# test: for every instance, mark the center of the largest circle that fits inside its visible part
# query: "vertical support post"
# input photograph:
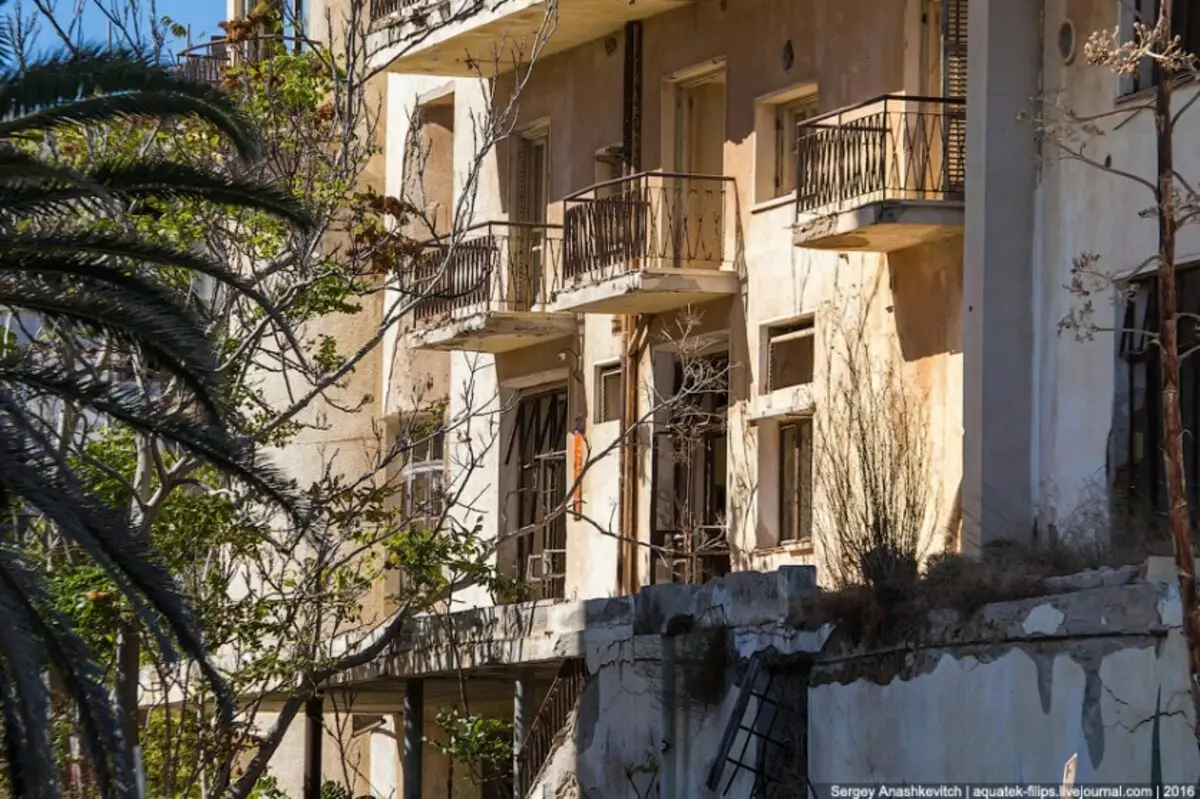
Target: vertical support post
(314, 734)
(666, 775)
(522, 720)
(1000, 353)
(414, 717)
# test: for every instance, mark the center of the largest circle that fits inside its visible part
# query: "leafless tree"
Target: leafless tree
(1145, 48)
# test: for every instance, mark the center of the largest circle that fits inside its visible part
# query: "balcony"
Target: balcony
(460, 38)
(207, 62)
(486, 291)
(881, 176)
(647, 243)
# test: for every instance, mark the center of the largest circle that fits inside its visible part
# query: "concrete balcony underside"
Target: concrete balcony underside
(885, 226)
(645, 292)
(465, 47)
(492, 331)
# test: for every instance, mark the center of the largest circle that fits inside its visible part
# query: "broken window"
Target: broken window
(421, 491)
(690, 536)
(795, 481)
(1137, 431)
(537, 450)
(791, 354)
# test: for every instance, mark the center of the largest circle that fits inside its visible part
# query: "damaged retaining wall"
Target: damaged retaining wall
(621, 743)
(1012, 692)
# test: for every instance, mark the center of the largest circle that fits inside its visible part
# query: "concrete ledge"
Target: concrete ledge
(648, 291)
(492, 331)
(548, 631)
(885, 226)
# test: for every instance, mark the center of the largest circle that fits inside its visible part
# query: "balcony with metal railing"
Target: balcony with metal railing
(485, 289)
(647, 243)
(882, 175)
(208, 61)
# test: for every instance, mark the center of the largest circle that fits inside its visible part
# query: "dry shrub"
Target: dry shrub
(962, 583)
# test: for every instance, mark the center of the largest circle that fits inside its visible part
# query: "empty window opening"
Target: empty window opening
(690, 535)
(795, 482)
(608, 394)
(537, 449)
(791, 355)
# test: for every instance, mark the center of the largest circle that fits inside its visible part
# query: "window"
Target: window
(795, 481)
(608, 394)
(788, 116)
(790, 354)
(1185, 23)
(421, 490)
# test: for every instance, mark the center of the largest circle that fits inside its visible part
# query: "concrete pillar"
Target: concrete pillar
(1003, 63)
(523, 711)
(314, 737)
(414, 717)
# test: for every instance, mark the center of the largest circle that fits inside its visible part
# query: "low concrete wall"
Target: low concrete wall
(1010, 694)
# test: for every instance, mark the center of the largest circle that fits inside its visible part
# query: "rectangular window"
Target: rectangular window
(421, 489)
(1185, 23)
(795, 482)
(791, 355)
(608, 394)
(788, 117)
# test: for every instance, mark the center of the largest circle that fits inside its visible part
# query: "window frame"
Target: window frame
(603, 371)
(788, 114)
(424, 468)
(792, 329)
(794, 515)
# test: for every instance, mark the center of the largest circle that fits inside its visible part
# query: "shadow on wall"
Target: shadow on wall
(927, 299)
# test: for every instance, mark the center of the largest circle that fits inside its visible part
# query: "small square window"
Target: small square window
(608, 394)
(795, 481)
(791, 355)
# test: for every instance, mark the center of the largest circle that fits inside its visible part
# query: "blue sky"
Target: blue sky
(202, 15)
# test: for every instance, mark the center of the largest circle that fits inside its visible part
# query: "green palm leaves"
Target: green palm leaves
(90, 283)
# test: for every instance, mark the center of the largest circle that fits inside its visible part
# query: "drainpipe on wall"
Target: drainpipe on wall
(666, 770)
(631, 146)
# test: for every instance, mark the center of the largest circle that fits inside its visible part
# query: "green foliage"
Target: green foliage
(474, 740)
(268, 788)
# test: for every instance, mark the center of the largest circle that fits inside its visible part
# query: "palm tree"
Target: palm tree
(100, 284)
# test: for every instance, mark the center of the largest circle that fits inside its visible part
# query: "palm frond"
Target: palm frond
(233, 456)
(128, 317)
(61, 80)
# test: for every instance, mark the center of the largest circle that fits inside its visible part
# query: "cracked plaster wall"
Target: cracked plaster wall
(1035, 683)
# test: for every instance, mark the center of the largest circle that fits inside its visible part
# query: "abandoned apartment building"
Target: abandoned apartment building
(697, 201)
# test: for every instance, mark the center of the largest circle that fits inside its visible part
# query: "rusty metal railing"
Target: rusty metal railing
(206, 62)
(560, 702)
(652, 220)
(893, 147)
(493, 266)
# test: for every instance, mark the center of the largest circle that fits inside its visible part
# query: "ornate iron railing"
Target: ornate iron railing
(652, 220)
(207, 62)
(560, 702)
(386, 8)
(890, 148)
(494, 266)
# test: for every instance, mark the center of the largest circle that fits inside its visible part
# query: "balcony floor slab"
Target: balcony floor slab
(885, 226)
(492, 331)
(646, 292)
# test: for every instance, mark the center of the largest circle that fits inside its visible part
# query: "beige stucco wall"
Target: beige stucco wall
(852, 51)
